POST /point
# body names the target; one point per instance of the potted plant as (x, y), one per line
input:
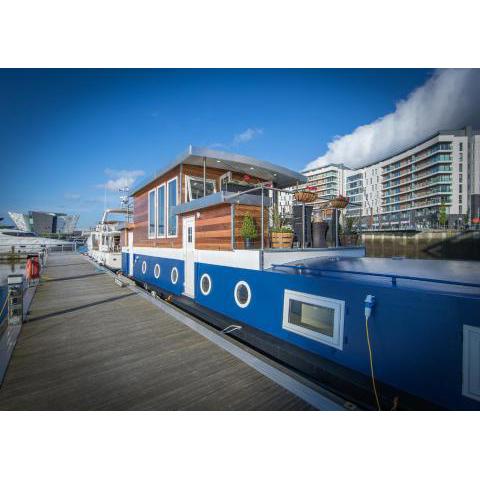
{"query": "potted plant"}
(281, 234)
(339, 202)
(348, 236)
(249, 230)
(307, 195)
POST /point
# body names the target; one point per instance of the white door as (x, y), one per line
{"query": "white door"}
(189, 252)
(130, 251)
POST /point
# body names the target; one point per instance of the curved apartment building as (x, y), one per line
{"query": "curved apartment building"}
(412, 188)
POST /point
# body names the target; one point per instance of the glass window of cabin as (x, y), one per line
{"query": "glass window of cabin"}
(161, 227)
(151, 213)
(315, 317)
(195, 187)
(172, 201)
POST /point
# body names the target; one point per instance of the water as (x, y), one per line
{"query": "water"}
(434, 245)
(7, 269)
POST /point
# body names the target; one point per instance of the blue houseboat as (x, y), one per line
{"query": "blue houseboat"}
(384, 333)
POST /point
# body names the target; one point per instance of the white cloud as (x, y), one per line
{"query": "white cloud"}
(449, 99)
(120, 179)
(72, 196)
(247, 135)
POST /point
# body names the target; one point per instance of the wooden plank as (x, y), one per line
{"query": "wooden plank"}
(90, 345)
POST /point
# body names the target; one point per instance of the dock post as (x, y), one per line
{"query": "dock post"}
(303, 225)
(261, 219)
(15, 299)
(232, 228)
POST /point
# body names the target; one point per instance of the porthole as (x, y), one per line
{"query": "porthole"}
(144, 267)
(205, 284)
(242, 294)
(174, 275)
(156, 270)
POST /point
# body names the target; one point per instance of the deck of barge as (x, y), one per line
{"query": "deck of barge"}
(90, 345)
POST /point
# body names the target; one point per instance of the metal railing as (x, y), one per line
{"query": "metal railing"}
(278, 207)
(7, 249)
(392, 276)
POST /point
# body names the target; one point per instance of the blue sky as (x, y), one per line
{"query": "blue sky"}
(64, 134)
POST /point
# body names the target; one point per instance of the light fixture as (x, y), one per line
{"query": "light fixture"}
(251, 168)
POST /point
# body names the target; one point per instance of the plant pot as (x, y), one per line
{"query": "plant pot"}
(348, 239)
(319, 234)
(248, 243)
(282, 239)
(305, 196)
(339, 202)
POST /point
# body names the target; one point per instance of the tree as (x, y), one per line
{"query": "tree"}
(249, 229)
(442, 217)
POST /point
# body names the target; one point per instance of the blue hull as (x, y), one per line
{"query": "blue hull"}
(416, 331)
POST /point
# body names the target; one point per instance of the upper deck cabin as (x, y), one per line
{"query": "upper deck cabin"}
(206, 195)
(206, 185)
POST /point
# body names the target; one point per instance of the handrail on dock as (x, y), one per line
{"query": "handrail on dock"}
(393, 276)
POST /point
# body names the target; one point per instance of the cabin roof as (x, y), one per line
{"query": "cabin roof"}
(283, 177)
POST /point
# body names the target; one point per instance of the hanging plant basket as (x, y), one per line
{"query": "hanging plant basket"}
(339, 202)
(305, 196)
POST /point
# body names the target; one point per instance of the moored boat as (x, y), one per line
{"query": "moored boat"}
(103, 243)
(28, 242)
(387, 333)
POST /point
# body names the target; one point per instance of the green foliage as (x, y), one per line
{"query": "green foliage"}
(279, 224)
(283, 229)
(350, 225)
(249, 229)
(442, 214)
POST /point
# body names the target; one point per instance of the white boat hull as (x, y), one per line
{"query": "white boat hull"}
(108, 259)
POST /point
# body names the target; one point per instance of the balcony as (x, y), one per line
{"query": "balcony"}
(413, 159)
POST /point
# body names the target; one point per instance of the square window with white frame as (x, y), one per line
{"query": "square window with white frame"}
(318, 318)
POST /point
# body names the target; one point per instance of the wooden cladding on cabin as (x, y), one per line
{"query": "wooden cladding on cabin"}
(213, 229)
(140, 217)
(256, 213)
(214, 226)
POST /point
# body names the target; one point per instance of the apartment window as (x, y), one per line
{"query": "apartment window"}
(460, 188)
(151, 213)
(459, 199)
(171, 202)
(461, 146)
(460, 178)
(315, 317)
(195, 187)
(161, 227)
(460, 209)
(460, 167)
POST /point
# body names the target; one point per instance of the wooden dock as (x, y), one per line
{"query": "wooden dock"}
(91, 345)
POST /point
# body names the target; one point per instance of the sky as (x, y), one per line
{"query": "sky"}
(67, 137)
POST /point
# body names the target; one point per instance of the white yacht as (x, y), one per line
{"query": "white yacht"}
(104, 242)
(28, 242)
